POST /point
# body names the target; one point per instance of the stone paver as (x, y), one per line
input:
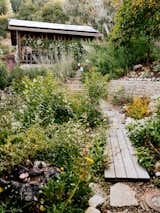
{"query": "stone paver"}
(92, 210)
(122, 195)
(96, 200)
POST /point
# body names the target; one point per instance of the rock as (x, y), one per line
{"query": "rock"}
(157, 166)
(92, 210)
(97, 189)
(34, 172)
(152, 199)
(96, 200)
(157, 174)
(24, 175)
(122, 110)
(27, 183)
(125, 211)
(122, 195)
(138, 67)
(39, 165)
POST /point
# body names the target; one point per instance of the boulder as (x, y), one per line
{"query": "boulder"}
(138, 67)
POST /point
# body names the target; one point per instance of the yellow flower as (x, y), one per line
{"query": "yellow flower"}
(62, 168)
(41, 208)
(89, 160)
(1, 190)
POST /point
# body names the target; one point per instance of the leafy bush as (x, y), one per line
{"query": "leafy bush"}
(96, 85)
(79, 154)
(69, 184)
(17, 74)
(156, 68)
(4, 50)
(145, 158)
(138, 108)
(102, 58)
(70, 147)
(64, 68)
(121, 98)
(54, 126)
(3, 25)
(3, 77)
(107, 58)
(19, 147)
(86, 111)
(45, 101)
(156, 182)
(146, 138)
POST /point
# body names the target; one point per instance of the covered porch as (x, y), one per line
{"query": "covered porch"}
(41, 42)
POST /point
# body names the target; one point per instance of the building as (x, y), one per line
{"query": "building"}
(41, 42)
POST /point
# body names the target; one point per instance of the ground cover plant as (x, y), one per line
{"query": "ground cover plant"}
(42, 121)
(146, 138)
(138, 108)
(121, 98)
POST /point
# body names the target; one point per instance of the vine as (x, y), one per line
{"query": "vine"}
(55, 48)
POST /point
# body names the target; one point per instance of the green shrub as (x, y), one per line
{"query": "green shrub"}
(120, 97)
(66, 194)
(156, 68)
(146, 138)
(96, 85)
(68, 146)
(3, 25)
(156, 182)
(107, 58)
(146, 133)
(4, 50)
(146, 159)
(17, 73)
(3, 77)
(45, 101)
(19, 147)
(103, 59)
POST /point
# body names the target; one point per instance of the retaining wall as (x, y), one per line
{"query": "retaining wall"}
(136, 87)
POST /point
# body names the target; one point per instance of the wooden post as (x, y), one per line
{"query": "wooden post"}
(19, 46)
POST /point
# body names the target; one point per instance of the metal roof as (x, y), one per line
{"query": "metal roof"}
(51, 26)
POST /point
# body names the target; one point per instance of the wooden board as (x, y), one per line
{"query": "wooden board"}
(123, 160)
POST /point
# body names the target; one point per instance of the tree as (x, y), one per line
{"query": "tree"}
(6, 8)
(16, 4)
(53, 12)
(136, 19)
(98, 13)
(27, 10)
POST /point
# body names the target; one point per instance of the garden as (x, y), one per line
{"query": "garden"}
(51, 143)
(52, 139)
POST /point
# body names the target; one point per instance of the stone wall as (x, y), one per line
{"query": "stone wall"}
(136, 87)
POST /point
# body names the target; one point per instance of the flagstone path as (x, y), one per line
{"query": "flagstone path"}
(74, 83)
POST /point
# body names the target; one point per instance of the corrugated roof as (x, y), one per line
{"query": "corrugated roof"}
(53, 26)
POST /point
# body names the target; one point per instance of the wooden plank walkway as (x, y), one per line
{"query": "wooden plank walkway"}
(123, 160)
